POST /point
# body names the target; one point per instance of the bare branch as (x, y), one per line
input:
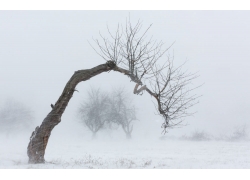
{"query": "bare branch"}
(140, 59)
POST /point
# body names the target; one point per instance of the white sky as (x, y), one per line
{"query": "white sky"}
(40, 50)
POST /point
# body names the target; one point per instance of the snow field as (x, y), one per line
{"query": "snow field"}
(128, 154)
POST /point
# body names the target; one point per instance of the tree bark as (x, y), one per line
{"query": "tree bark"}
(39, 138)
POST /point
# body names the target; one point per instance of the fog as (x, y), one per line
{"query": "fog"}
(40, 51)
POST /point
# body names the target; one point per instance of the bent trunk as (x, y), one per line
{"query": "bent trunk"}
(39, 138)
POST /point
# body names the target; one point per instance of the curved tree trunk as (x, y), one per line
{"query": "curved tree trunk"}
(39, 138)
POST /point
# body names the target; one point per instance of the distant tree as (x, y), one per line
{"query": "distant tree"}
(15, 117)
(130, 52)
(93, 112)
(122, 112)
(107, 111)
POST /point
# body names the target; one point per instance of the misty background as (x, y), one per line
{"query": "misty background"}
(40, 51)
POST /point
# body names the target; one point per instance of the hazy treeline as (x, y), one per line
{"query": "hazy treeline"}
(15, 117)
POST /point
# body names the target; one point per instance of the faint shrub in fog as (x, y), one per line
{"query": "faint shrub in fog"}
(239, 133)
(200, 136)
(15, 117)
(197, 136)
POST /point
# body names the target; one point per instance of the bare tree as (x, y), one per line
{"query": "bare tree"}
(130, 52)
(93, 112)
(139, 58)
(122, 112)
(15, 117)
(107, 111)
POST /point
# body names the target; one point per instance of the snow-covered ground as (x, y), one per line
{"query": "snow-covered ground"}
(76, 152)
